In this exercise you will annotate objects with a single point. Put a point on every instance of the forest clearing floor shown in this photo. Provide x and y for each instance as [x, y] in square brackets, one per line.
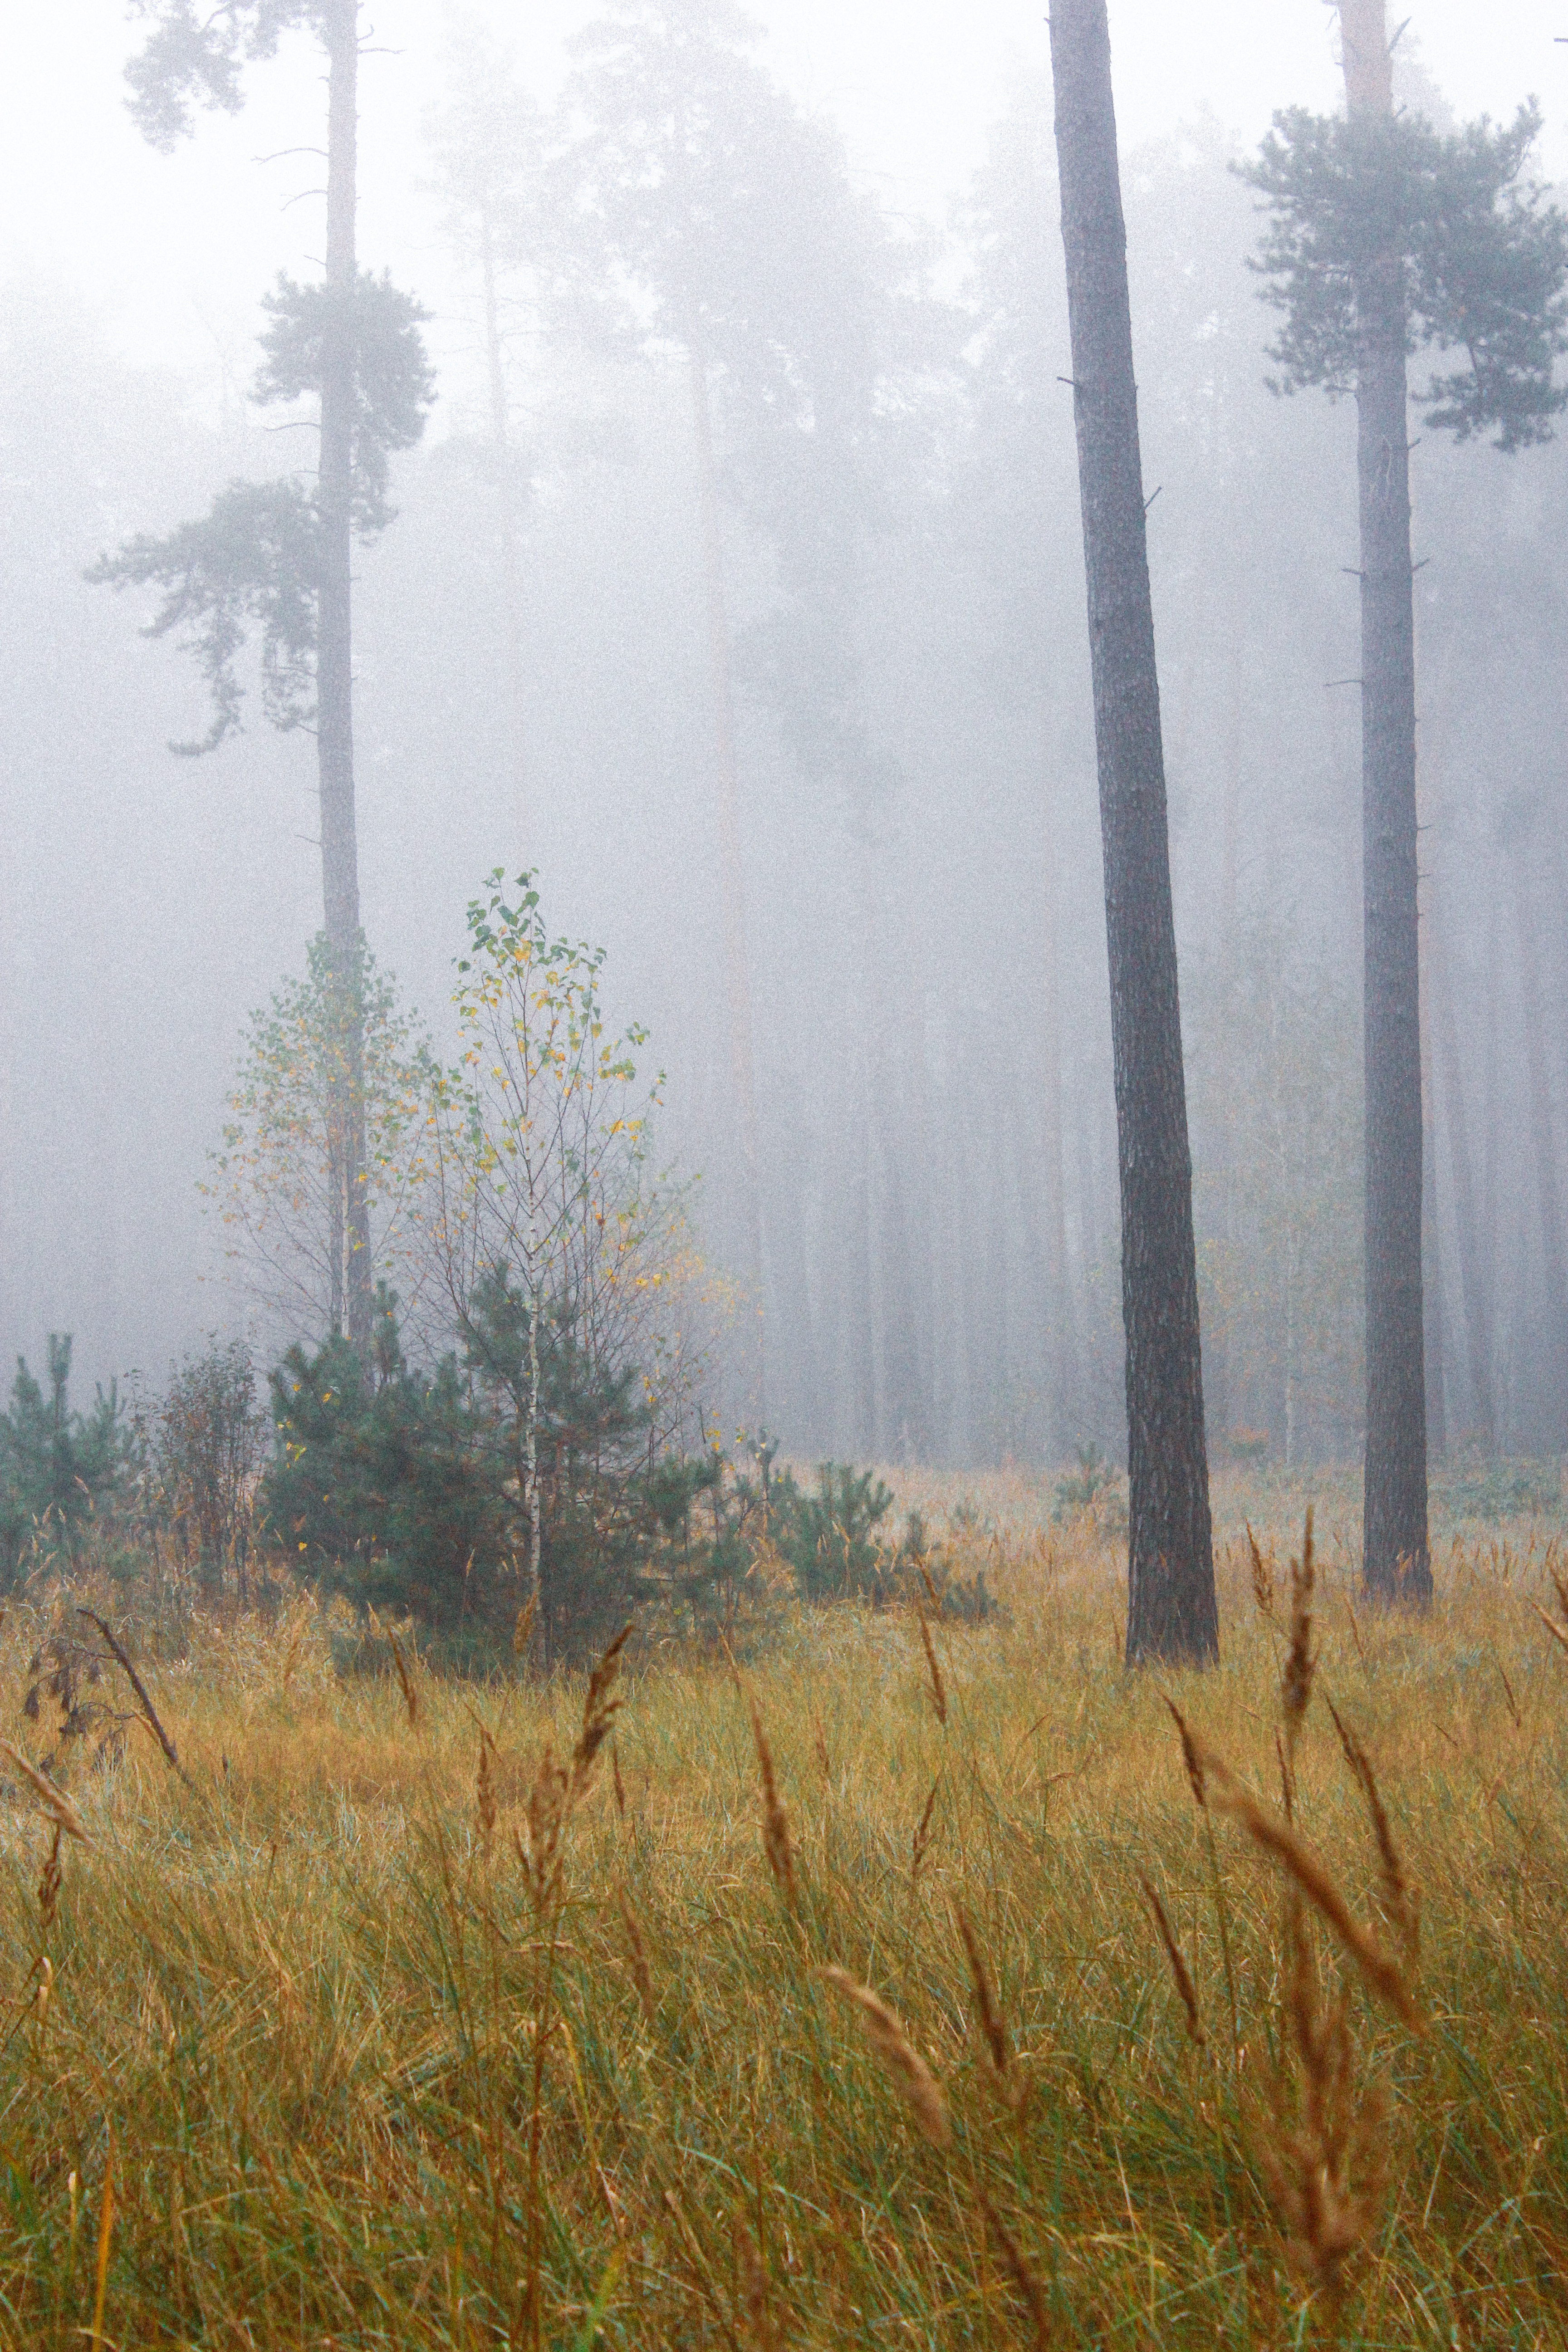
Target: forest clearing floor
[391, 2024]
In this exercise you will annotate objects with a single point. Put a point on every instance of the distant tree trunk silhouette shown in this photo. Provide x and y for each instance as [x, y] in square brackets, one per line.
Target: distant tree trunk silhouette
[1066, 1368]
[1490, 1205]
[732, 873]
[1396, 1558]
[1431, 1241]
[1172, 1612]
[1217, 1347]
[1473, 1288]
[352, 1283]
[1543, 1135]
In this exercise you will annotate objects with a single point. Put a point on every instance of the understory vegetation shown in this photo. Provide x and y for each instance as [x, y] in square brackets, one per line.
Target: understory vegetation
[890, 1977]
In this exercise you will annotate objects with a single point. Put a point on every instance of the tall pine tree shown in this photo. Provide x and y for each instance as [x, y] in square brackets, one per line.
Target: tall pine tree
[1171, 1611]
[275, 559]
[1388, 236]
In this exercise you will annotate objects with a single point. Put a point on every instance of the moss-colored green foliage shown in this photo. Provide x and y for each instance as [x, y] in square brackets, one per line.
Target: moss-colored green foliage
[55, 1465]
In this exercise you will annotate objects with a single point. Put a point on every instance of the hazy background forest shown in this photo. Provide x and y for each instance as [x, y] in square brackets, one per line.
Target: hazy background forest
[918, 806]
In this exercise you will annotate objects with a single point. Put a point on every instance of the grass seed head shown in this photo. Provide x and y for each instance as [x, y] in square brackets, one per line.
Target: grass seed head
[1508, 1694]
[1558, 1633]
[538, 1847]
[923, 1834]
[1296, 1680]
[1559, 1581]
[1262, 1575]
[49, 1882]
[1382, 1973]
[1006, 2078]
[1030, 2291]
[912, 2078]
[641, 1976]
[410, 1696]
[776, 1842]
[1178, 1965]
[938, 1687]
[599, 1711]
[485, 1793]
[1193, 1757]
[55, 1801]
[1323, 2152]
[1401, 1897]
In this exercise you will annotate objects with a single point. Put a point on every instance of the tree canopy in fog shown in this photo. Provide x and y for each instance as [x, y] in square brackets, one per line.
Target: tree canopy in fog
[868, 615]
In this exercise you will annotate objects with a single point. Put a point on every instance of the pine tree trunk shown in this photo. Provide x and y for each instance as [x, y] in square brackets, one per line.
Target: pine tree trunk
[732, 876]
[1395, 1559]
[1171, 1610]
[334, 682]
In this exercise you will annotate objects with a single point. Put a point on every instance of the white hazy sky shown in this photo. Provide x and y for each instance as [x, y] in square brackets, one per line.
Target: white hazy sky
[174, 251]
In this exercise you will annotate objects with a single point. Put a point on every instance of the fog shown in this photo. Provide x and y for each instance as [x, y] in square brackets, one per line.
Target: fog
[914, 748]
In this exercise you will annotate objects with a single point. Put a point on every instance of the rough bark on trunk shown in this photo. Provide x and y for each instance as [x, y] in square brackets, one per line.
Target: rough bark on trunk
[1172, 1612]
[731, 871]
[1396, 1557]
[352, 1280]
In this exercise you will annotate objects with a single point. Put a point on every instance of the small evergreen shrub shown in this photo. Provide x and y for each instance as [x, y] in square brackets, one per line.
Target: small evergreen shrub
[57, 1466]
[1082, 1489]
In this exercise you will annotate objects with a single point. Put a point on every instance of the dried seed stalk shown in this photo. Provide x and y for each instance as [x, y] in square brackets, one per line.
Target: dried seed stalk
[410, 1696]
[55, 1801]
[1226, 1793]
[1262, 1575]
[139, 1688]
[1296, 1680]
[776, 1842]
[485, 1793]
[49, 1882]
[599, 1711]
[641, 1976]
[1401, 1897]
[938, 1688]
[1178, 1965]
[1191, 1756]
[1558, 1633]
[912, 2078]
[1031, 2294]
[1322, 2157]
[1006, 2079]
[922, 1836]
[1508, 1694]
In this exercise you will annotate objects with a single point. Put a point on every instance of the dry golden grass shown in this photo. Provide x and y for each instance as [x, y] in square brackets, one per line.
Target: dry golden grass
[804, 2017]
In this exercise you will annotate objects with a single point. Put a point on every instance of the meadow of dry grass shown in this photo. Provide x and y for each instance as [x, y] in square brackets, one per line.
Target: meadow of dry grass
[878, 1995]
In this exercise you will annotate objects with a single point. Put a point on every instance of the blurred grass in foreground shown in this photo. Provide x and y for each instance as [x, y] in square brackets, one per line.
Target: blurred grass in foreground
[385, 2030]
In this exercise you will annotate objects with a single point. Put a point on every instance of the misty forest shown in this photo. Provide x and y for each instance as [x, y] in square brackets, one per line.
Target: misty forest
[783, 1547]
